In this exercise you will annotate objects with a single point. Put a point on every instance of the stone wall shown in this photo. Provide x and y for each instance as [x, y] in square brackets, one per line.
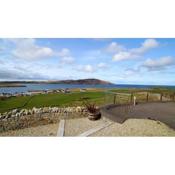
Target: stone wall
[17, 119]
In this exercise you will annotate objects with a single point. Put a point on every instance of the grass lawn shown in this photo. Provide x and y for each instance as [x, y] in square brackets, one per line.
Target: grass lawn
[56, 99]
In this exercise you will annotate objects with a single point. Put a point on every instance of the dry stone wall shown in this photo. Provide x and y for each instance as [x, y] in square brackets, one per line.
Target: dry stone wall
[17, 119]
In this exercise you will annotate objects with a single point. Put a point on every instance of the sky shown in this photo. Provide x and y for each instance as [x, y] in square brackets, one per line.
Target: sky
[148, 61]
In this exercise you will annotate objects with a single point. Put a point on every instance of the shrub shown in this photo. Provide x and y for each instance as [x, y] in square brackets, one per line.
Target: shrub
[91, 107]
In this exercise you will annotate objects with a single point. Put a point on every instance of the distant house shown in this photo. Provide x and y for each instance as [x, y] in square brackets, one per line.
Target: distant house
[62, 90]
[55, 91]
[28, 93]
[67, 90]
[83, 90]
[36, 92]
[50, 91]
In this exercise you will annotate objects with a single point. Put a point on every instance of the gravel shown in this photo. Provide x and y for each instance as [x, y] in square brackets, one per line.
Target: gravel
[74, 127]
[43, 130]
[137, 127]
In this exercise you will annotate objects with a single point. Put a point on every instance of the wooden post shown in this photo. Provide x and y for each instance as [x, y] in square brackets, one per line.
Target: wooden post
[173, 96]
[131, 98]
[114, 99]
[134, 100]
[147, 97]
[161, 95]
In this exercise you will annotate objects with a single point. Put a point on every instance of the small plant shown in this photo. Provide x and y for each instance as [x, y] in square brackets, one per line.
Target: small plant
[94, 112]
[91, 107]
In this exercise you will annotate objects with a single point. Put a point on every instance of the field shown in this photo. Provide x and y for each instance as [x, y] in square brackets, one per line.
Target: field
[74, 99]
[57, 99]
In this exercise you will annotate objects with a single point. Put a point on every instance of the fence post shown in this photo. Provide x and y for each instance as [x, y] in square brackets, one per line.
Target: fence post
[147, 97]
[161, 96]
[114, 99]
[131, 98]
[134, 100]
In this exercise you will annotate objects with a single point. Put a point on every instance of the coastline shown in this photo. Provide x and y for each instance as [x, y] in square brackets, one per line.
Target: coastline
[11, 85]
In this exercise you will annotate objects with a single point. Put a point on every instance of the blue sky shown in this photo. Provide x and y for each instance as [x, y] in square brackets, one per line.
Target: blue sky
[121, 61]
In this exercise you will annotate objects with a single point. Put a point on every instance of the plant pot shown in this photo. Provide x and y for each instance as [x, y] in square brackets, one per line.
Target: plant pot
[94, 116]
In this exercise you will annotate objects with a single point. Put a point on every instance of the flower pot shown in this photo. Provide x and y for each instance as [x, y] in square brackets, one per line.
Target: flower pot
[94, 116]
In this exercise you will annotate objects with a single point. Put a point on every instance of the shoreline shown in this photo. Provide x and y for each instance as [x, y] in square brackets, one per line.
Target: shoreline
[11, 85]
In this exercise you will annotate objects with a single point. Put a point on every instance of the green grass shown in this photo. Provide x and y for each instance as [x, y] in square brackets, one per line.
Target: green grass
[74, 99]
[127, 90]
[71, 99]
[163, 90]
[153, 90]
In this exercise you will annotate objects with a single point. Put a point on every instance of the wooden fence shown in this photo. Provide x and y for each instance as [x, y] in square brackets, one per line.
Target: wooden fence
[128, 98]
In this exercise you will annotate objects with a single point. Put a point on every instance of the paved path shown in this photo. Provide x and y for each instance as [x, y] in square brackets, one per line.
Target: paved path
[75, 127]
[164, 112]
[60, 132]
[94, 130]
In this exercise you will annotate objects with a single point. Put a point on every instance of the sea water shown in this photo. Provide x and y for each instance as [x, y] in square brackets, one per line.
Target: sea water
[37, 86]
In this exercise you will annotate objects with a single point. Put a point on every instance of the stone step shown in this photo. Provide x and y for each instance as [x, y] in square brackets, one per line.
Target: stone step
[60, 132]
[95, 129]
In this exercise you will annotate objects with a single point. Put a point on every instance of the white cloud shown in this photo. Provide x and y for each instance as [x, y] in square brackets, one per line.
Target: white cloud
[124, 56]
[90, 69]
[86, 68]
[21, 70]
[17, 69]
[102, 65]
[161, 63]
[150, 43]
[146, 45]
[64, 52]
[114, 48]
[1, 62]
[136, 52]
[1, 49]
[131, 72]
[11, 74]
[65, 56]
[28, 49]
[67, 60]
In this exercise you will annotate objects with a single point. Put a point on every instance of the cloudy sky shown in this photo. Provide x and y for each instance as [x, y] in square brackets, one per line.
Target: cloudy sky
[121, 61]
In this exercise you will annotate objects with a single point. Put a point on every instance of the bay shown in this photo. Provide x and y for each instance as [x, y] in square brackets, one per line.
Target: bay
[37, 86]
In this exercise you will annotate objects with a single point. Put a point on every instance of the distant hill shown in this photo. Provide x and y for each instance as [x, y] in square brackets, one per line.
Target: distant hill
[82, 81]
[90, 81]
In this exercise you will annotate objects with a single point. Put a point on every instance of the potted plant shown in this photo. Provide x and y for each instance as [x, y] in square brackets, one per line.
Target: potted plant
[93, 111]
